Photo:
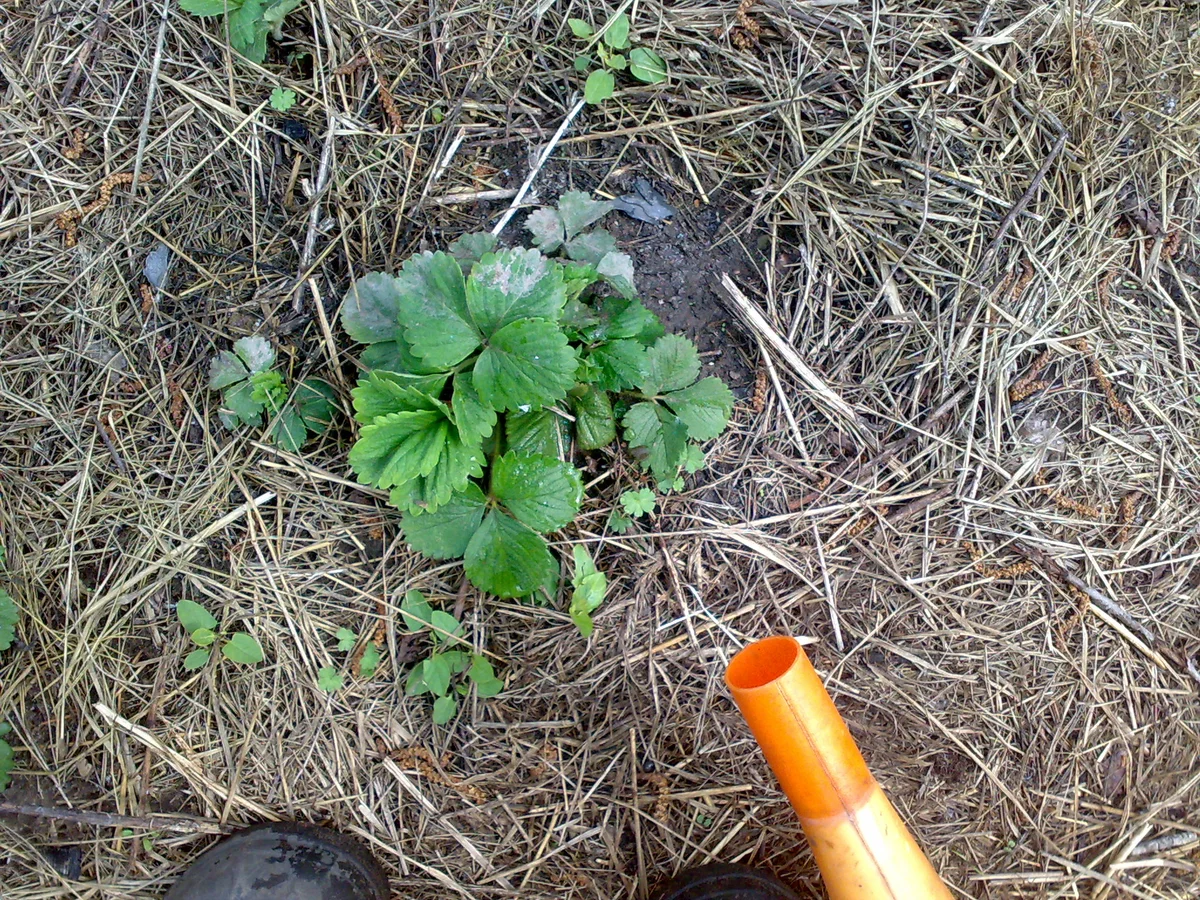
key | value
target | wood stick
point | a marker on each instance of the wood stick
(177, 824)
(533, 173)
(1019, 206)
(807, 374)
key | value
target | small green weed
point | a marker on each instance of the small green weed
(438, 673)
(252, 387)
(639, 502)
(589, 586)
(8, 620)
(282, 99)
(238, 647)
(643, 64)
(330, 680)
(248, 22)
(7, 764)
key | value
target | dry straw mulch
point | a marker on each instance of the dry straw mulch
(1001, 588)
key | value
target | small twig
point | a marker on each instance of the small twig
(473, 197)
(533, 173)
(177, 824)
(1110, 606)
(108, 442)
(144, 131)
(916, 506)
(99, 33)
(1019, 206)
(314, 215)
(1164, 843)
(822, 391)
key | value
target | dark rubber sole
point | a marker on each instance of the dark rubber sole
(724, 881)
(283, 861)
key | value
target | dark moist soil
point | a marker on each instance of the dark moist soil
(677, 264)
(677, 268)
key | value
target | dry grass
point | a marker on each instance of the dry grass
(1042, 743)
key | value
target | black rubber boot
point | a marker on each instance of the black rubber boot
(283, 861)
(724, 881)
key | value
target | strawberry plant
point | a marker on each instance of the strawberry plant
(247, 21)
(250, 386)
(488, 371)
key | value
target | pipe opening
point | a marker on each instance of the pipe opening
(761, 663)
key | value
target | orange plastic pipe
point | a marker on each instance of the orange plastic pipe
(859, 842)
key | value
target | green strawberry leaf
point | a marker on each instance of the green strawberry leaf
(383, 393)
(242, 648)
(240, 403)
(541, 433)
(445, 532)
(415, 611)
(444, 709)
(193, 616)
(437, 322)
(512, 285)
(620, 364)
(617, 269)
(316, 402)
(474, 418)
(225, 369)
(470, 248)
(578, 210)
(459, 463)
(704, 407)
(543, 492)
(371, 308)
(396, 356)
(509, 559)
(693, 459)
(403, 447)
(660, 432)
(626, 318)
(546, 226)
(527, 363)
(288, 430)
(595, 426)
(671, 364)
(591, 247)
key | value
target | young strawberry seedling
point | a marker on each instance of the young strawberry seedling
(251, 387)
